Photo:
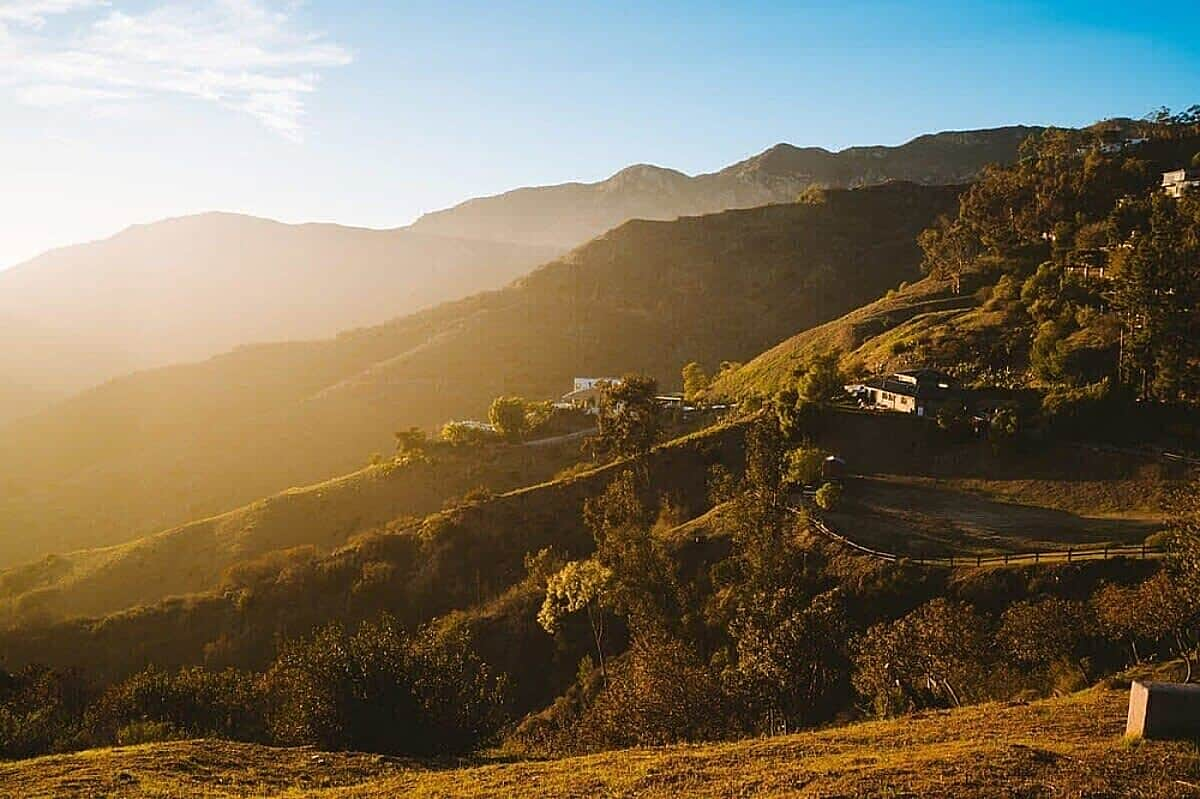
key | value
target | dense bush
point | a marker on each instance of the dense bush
(382, 690)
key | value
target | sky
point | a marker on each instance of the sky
(370, 113)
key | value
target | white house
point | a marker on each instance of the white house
(1178, 181)
(586, 393)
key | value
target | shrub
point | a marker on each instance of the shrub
(147, 732)
(829, 496)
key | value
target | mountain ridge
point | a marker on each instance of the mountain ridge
(777, 174)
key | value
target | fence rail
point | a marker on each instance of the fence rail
(1069, 555)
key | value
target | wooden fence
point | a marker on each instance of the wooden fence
(1069, 555)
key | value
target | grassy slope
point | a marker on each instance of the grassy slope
(864, 335)
(455, 559)
(1068, 747)
(163, 447)
(193, 557)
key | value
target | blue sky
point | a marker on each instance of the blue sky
(371, 113)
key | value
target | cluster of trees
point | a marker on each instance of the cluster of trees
(782, 632)
(1043, 230)
(376, 689)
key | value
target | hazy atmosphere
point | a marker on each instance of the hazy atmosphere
(630, 400)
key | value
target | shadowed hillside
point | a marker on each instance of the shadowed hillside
(191, 287)
(162, 447)
(564, 215)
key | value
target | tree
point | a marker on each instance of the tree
(412, 441)
(938, 654)
(805, 465)
(822, 380)
(660, 693)
(464, 434)
(580, 585)
(1039, 633)
(643, 586)
(949, 250)
(695, 382)
(630, 417)
(509, 416)
(1158, 297)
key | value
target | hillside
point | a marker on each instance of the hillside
(304, 522)
(1068, 746)
(191, 287)
(415, 569)
(566, 214)
(163, 447)
(1030, 230)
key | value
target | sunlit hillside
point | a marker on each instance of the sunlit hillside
(163, 447)
(188, 288)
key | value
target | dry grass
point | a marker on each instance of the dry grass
(1066, 747)
(924, 516)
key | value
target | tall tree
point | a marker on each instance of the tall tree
(630, 417)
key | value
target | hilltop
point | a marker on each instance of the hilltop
(163, 447)
(992, 750)
(566, 214)
(191, 287)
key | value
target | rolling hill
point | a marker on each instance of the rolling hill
(191, 287)
(994, 750)
(198, 556)
(569, 213)
(165, 446)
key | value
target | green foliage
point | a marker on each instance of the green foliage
(630, 417)
(829, 496)
(1038, 633)
(509, 416)
(695, 382)
(466, 435)
(193, 703)
(660, 693)
(822, 380)
(937, 655)
(381, 690)
(1157, 295)
(411, 441)
(949, 249)
(805, 465)
(147, 732)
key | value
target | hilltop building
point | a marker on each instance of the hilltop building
(1179, 181)
(586, 393)
(917, 391)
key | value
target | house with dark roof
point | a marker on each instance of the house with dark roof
(921, 392)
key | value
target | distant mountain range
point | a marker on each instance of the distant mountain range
(188, 288)
(568, 214)
(165, 446)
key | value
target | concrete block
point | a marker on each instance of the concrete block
(1163, 710)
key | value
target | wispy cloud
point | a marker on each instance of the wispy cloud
(248, 55)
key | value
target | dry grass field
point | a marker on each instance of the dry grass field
(923, 516)
(1067, 747)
